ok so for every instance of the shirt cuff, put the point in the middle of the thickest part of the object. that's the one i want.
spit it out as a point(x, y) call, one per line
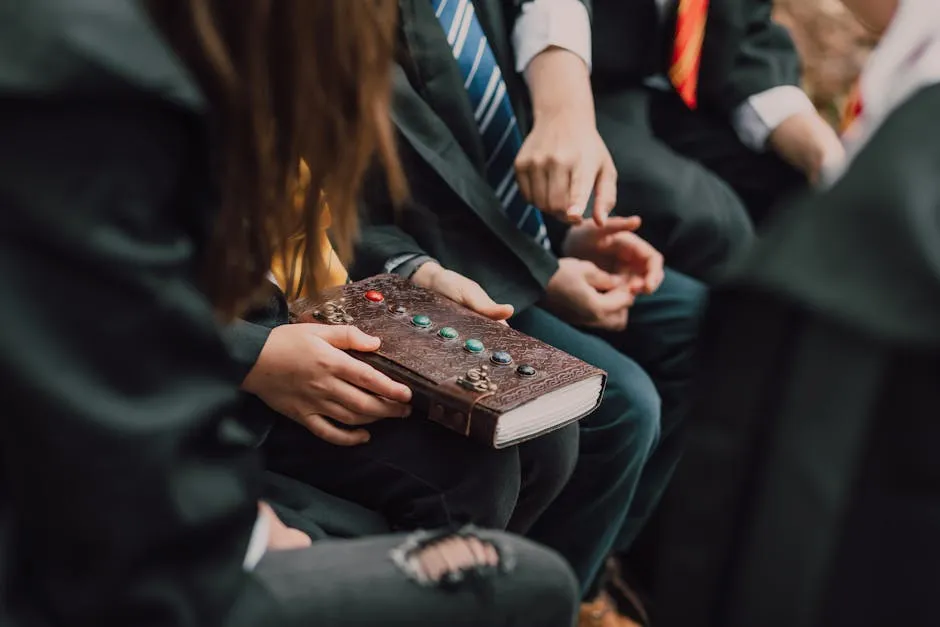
point(762, 113)
point(406, 265)
point(258, 545)
point(546, 23)
point(394, 263)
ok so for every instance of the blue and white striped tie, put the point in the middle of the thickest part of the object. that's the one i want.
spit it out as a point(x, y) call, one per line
point(492, 109)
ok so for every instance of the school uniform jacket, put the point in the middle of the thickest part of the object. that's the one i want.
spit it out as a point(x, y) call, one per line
point(810, 492)
point(744, 53)
point(128, 495)
point(454, 214)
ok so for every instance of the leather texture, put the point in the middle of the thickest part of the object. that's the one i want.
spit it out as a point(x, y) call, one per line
point(439, 370)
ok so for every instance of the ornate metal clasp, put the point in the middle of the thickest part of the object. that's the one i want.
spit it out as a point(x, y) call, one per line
point(478, 380)
point(334, 312)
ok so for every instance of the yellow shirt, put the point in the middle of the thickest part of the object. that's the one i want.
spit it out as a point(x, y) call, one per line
point(335, 272)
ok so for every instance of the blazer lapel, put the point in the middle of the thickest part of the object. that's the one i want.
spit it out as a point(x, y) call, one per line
point(432, 113)
point(429, 62)
point(430, 137)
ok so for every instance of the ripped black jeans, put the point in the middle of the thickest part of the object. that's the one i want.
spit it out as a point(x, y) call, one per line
point(466, 578)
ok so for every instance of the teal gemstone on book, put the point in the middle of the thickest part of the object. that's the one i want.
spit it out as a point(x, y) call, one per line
point(421, 321)
point(473, 346)
point(448, 333)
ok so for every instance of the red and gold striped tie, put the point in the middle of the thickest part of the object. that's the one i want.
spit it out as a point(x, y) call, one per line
point(687, 51)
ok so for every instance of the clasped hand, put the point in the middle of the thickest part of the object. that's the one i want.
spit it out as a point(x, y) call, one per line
point(604, 270)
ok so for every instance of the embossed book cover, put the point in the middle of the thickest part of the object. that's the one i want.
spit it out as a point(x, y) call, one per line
point(468, 373)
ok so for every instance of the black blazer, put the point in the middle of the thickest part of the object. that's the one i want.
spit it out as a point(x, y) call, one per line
point(744, 52)
point(127, 495)
point(810, 492)
point(453, 215)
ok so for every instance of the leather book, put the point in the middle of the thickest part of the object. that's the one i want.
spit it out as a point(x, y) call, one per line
point(468, 373)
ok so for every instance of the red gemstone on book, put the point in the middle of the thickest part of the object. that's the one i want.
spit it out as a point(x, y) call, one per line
point(375, 297)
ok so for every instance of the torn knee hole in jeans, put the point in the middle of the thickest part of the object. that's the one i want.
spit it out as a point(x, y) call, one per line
point(449, 558)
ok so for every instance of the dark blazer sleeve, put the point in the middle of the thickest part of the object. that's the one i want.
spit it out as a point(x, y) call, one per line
point(246, 337)
point(131, 492)
point(245, 340)
point(764, 57)
point(820, 251)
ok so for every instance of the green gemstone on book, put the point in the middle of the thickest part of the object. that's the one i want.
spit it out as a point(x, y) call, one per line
point(421, 321)
point(448, 333)
point(473, 346)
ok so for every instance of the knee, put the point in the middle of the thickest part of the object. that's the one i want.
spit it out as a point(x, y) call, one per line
point(705, 224)
point(488, 495)
point(548, 462)
point(682, 301)
point(642, 418)
point(631, 412)
point(722, 222)
point(566, 457)
point(539, 583)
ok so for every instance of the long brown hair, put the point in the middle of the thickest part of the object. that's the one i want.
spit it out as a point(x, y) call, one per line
point(286, 80)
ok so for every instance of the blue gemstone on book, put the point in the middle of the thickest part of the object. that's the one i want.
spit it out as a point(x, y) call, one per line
point(501, 358)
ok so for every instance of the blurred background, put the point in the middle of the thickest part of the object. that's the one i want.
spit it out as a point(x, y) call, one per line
point(833, 45)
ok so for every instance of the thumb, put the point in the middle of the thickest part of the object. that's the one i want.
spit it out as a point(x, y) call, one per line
point(475, 297)
point(605, 191)
point(349, 338)
point(616, 299)
point(618, 224)
point(600, 280)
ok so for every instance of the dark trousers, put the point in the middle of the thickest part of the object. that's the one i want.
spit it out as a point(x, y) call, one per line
point(628, 447)
point(699, 190)
point(418, 474)
point(362, 583)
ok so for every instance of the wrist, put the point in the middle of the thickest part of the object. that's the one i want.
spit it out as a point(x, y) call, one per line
point(253, 383)
point(424, 276)
point(559, 83)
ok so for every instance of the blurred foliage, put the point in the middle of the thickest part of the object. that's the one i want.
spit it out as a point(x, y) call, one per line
point(833, 46)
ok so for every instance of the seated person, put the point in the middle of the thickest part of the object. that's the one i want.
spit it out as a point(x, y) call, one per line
point(142, 197)
point(330, 420)
point(813, 496)
point(487, 243)
point(700, 107)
